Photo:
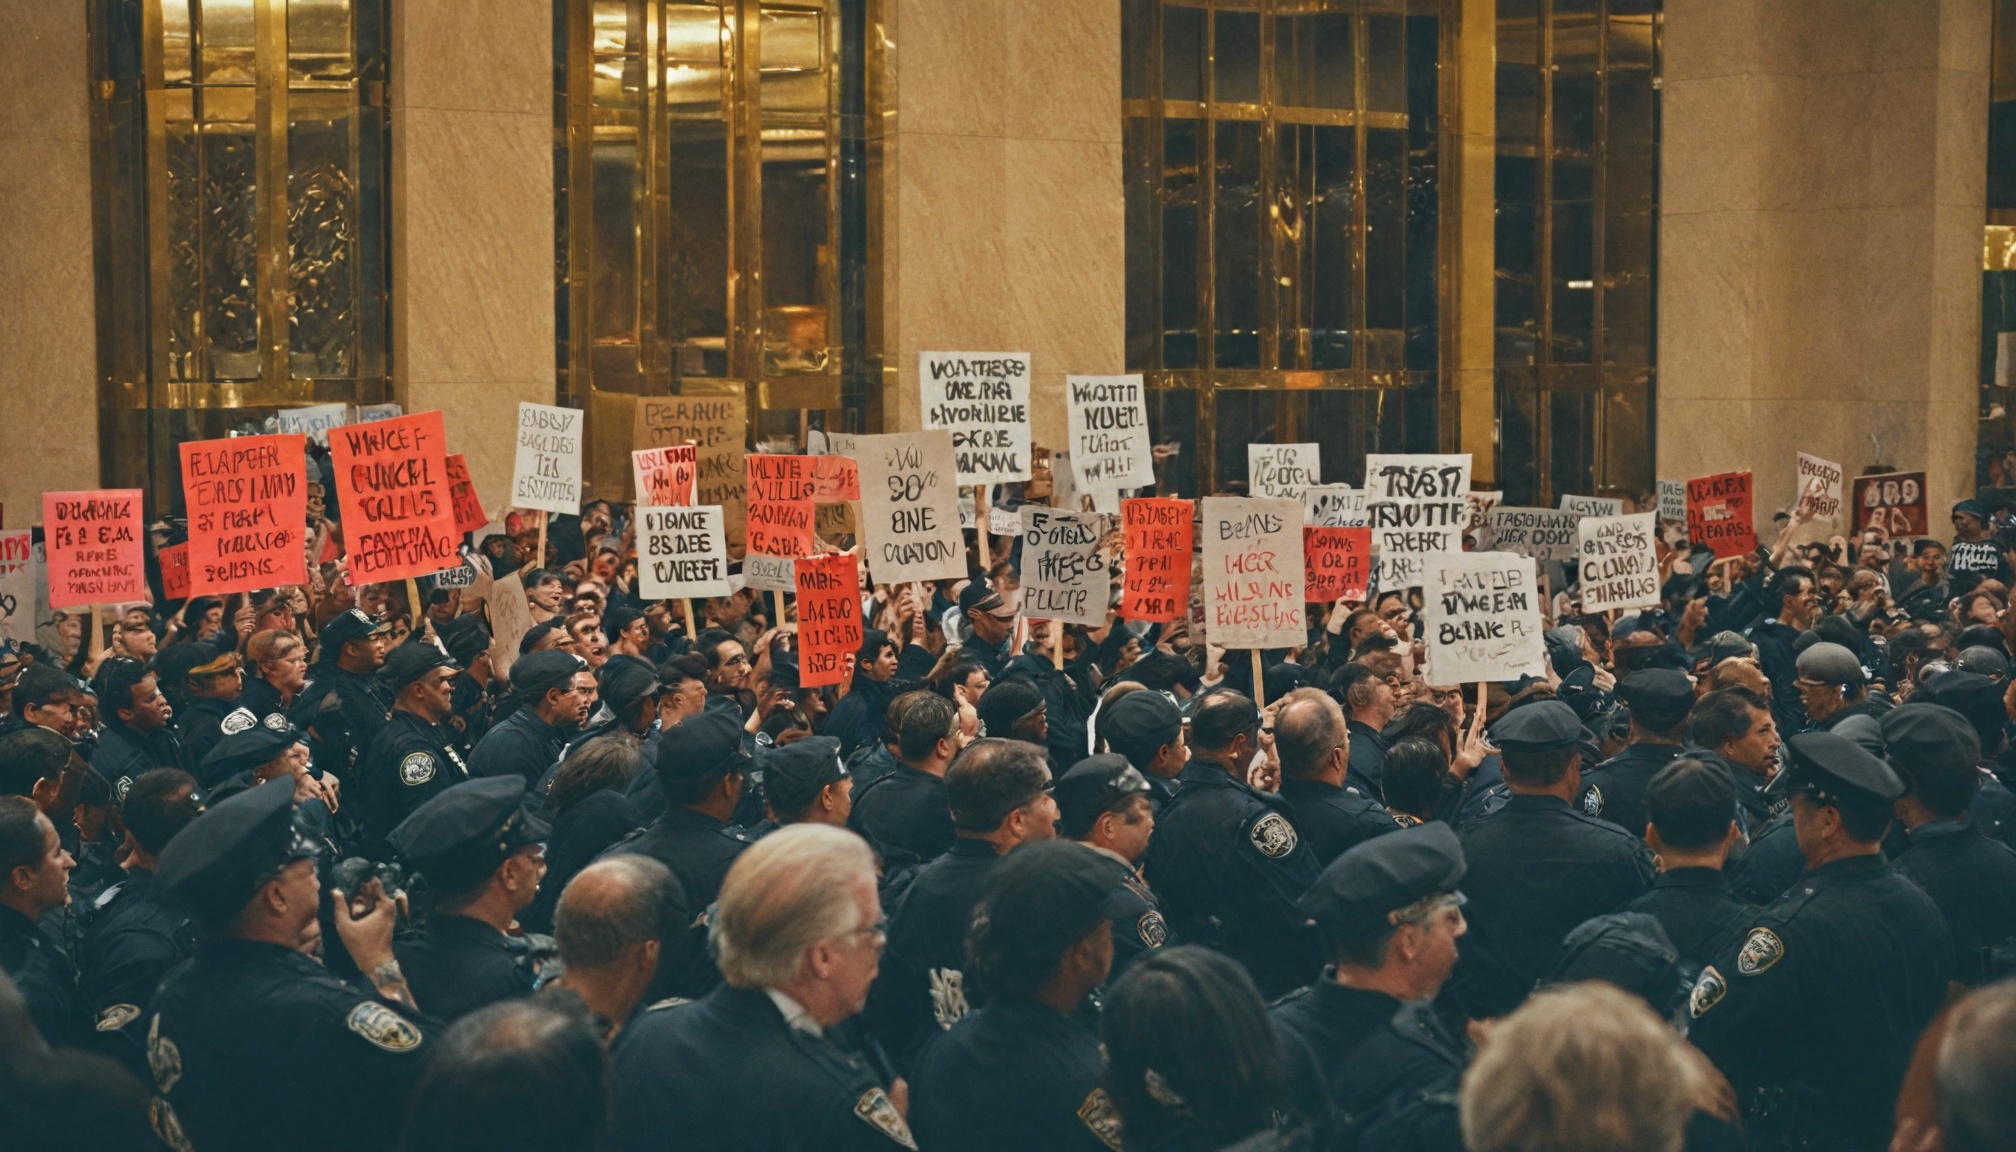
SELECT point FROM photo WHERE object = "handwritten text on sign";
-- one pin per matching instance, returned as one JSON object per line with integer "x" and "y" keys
{"x": 1253, "y": 595}
{"x": 1673, "y": 501}
{"x": 1592, "y": 505}
{"x": 469, "y": 515}
{"x": 1719, "y": 514}
{"x": 1108, "y": 417}
{"x": 780, "y": 504}
{"x": 1063, "y": 571}
{"x": 716, "y": 427}
{"x": 174, "y": 561}
{"x": 663, "y": 477}
{"x": 829, "y": 616}
{"x": 1158, "y": 535}
{"x": 95, "y": 549}
{"x": 910, "y": 507}
{"x": 17, "y": 585}
{"x": 982, "y": 398}
{"x": 1482, "y": 618}
{"x": 1541, "y": 533}
{"x": 1283, "y": 470}
{"x": 1892, "y": 501}
{"x": 1819, "y": 487}
{"x": 1334, "y": 506}
{"x": 547, "y": 471}
{"x": 1619, "y": 562}
{"x": 392, "y": 484}
{"x": 682, "y": 552}
{"x": 1417, "y": 505}
{"x": 248, "y": 512}
{"x": 1337, "y": 563}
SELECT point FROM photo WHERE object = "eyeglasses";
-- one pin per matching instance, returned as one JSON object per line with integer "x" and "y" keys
{"x": 879, "y": 930}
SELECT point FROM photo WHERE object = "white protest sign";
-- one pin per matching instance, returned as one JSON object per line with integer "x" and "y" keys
{"x": 1418, "y": 505}
{"x": 1283, "y": 470}
{"x": 547, "y": 471}
{"x": 1481, "y": 504}
{"x": 770, "y": 573}
{"x": 1541, "y": 533}
{"x": 1063, "y": 571}
{"x": 910, "y": 507}
{"x": 1592, "y": 505}
{"x": 982, "y": 399}
{"x": 1253, "y": 574}
{"x": 1108, "y": 428}
{"x": 17, "y": 585}
{"x": 1673, "y": 501}
{"x": 682, "y": 553}
{"x": 510, "y": 620}
{"x": 372, "y": 413}
{"x": 461, "y": 576}
{"x": 1481, "y": 618}
{"x": 1619, "y": 564}
{"x": 1333, "y": 506}
{"x": 314, "y": 421}
{"x": 1820, "y": 487}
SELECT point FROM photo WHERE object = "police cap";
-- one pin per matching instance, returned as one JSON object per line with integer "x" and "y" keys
{"x": 466, "y": 639}
{"x": 461, "y": 834}
{"x": 1973, "y": 696}
{"x": 214, "y": 866}
{"x": 1833, "y": 769}
{"x": 174, "y": 664}
{"x": 1930, "y": 733}
{"x": 1380, "y": 880}
{"x": 1045, "y": 895}
{"x": 355, "y": 624}
{"x": 1866, "y": 733}
{"x": 411, "y": 661}
{"x": 1004, "y": 703}
{"x": 1826, "y": 663}
{"x": 625, "y": 680}
{"x": 794, "y": 774}
{"x": 248, "y": 748}
{"x": 1541, "y": 726}
{"x": 1630, "y": 950}
{"x": 1660, "y": 698}
{"x": 703, "y": 746}
{"x": 1094, "y": 786}
{"x": 541, "y": 672}
{"x": 1727, "y": 645}
{"x": 1140, "y": 724}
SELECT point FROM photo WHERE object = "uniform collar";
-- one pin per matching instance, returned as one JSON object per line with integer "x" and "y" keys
{"x": 795, "y": 1015}
{"x": 1935, "y": 829}
{"x": 1691, "y": 878}
{"x": 971, "y": 846}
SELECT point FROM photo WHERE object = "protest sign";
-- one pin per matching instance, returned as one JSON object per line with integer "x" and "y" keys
{"x": 1541, "y": 533}
{"x": 1336, "y": 562}
{"x": 546, "y": 473}
{"x": 314, "y": 421}
{"x": 1619, "y": 562}
{"x": 1479, "y": 529}
{"x": 392, "y": 484}
{"x": 716, "y": 427}
{"x": 1592, "y": 505}
{"x": 982, "y": 399}
{"x": 682, "y": 552}
{"x": 469, "y": 514}
{"x": 510, "y": 620}
{"x": 663, "y": 477}
{"x": 835, "y": 479}
{"x": 1417, "y": 476}
{"x": 1673, "y": 501}
{"x": 910, "y": 507}
{"x": 94, "y": 547}
{"x": 1283, "y": 470}
{"x": 1819, "y": 487}
{"x": 1334, "y": 506}
{"x": 1108, "y": 428}
{"x": 1063, "y": 571}
{"x": 372, "y": 413}
{"x": 832, "y": 521}
{"x": 1157, "y": 534}
{"x": 1892, "y": 501}
{"x": 247, "y": 499}
{"x": 1481, "y": 618}
{"x": 829, "y": 616}
{"x": 1417, "y": 505}
{"x": 174, "y": 561}
{"x": 780, "y": 505}
{"x": 17, "y": 585}
{"x": 1719, "y": 514}
{"x": 1253, "y": 596}
{"x": 463, "y": 575}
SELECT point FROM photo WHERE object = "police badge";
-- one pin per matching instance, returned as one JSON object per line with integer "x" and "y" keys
{"x": 163, "y": 1058}
{"x": 1760, "y": 951}
{"x": 117, "y": 1016}
{"x": 1101, "y": 1115}
{"x": 383, "y": 1027}
{"x": 1273, "y": 836}
{"x": 417, "y": 769}
{"x": 1592, "y": 802}
{"x": 237, "y": 720}
{"x": 1708, "y": 992}
{"x": 277, "y": 722}
{"x": 1154, "y": 931}
{"x": 876, "y": 1108}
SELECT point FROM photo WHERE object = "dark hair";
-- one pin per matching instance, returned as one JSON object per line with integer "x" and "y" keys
{"x": 523, "y": 1074}
{"x": 1865, "y": 821}
{"x": 1422, "y": 720}
{"x": 1352, "y": 685}
{"x": 1359, "y": 943}
{"x": 159, "y": 804}
{"x": 20, "y": 837}
{"x": 990, "y": 779}
{"x": 1946, "y": 785}
{"x": 960, "y": 673}
{"x": 72, "y": 1099}
{"x": 40, "y": 684}
{"x": 1193, "y": 1018}
{"x": 1539, "y": 769}
{"x": 1220, "y": 718}
{"x": 1691, "y": 803}
{"x": 679, "y": 669}
{"x": 784, "y": 720}
{"x": 1164, "y": 672}
{"x": 921, "y": 720}
{"x": 605, "y": 762}
{"x": 708, "y": 645}
{"x": 1374, "y": 642}
{"x": 1906, "y": 644}
{"x": 116, "y": 680}
{"x": 1412, "y": 776}
{"x": 692, "y": 790}
{"x": 1721, "y": 716}
{"x": 1015, "y": 964}
{"x": 1306, "y": 731}
{"x": 617, "y": 618}
{"x": 1783, "y": 583}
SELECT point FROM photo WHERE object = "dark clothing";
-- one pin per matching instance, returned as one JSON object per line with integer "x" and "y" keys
{"x": 260, "y": 697}
{"x": 1367, "y": 771}
{"x": 410, "y": 762}
{"x": 342, "y": 713}
{"x": 581, "y": 832}
{"x": 45, "y": 978}
{"x": 126, "y": 754}
{"x": 728, "y": 1072}
{"x": 470, "y": 707}
{"x": 1770, "y": 866}
{"x": 1615, "y": 789}
{"x": 1136, "y": 913}
{"x": 904, "y": 816}
{"x": 698, "y": 849}
{"x": 1813, "y": 1014}
{"x": 1229, "y": 865}
{"x": 200, "y": 726}
{"x": 1014, "y": 1076}
{"x": 870, "y": 763}
{"x": 860, "y": 716}
{"x": 1781, "y": 667}
{"x": 1697, "y": 910}
{"x": 1993, "y": 809}
{"x": 1973, "y": 881}
{"x": 1333, "y": 819}
{"x": 921, "y": 989}
{"x": 456, "y": 965}
{"x": 1537, "y": 868}
{"x": 520, "y": 743}
{"x": 1378, "y": 1057}
{"x": 1924, "y": 602}
{"x": 133, "y": 939}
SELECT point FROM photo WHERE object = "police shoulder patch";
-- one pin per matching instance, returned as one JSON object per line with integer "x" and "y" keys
{"x": 877, "y": 1109}
{"x": 1273, "y": 835}
{"x": 276, "y": 721}
{"x": 1761, "y": 949}
{"x": 417, "y": 768}
{"x": 1102, "y": 1117}
{"x": 1708, "y": 992}
{"x": 383, "y": 1027}
{"x": 163, "y": 1058}
{"x": 121, "y": 786}
{"x": 237, "y": 720}
{"x": 1153, "y": 929}
{"x": 117, "y": 1016}
{"x": 167, "y": 1126}
{"x": 1592, "y": 802}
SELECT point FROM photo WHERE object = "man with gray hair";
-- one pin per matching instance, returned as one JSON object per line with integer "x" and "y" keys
{"x": 611, "y": 924}
{"x": 799, "y": 934}
{"x": 1977, "y": 1073}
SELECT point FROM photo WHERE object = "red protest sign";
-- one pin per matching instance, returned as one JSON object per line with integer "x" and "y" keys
{"x": 1336, "y": 563}
{"x": 1719, "y": 514}
{"x": 94, "y": 546}
{"x": 664, "y": 476}
{"x": 835, "y": 479}
{"x": 174, "y": 571}
{"x": 392, "y": 484}
{"x": 829, "y": 616}
{"x": 462, "y": 494}
{"x": 248, "y": 512}
{"x": 780, "y": 504}
{"x": 1158, "y": 535}
{"x": 1892, "y": 501}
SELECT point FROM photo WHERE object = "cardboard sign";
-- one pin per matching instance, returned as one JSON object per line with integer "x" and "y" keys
{"x": 510, "y": 620}
{"x": 832, "y": 521}
{"x": 248, "y": 512}
{"x": 469, "y": 514}
{"x": 780, "y": 505}
{"x": 1417, "y": 505}
{"x": 1719, "y": 514}
{"x": 982, "y": 399}
{"x": 462, "y": 575}
{"x": 1541, "y": 533}
{"x": 835, "y": 479}
{"x": 910, "y": 507}
{"x": 314, "y": 421}
{"x": 1108, "y": 425}
{"x": 1253, "y": 595}
{"x": 174, "y": 561}
{"x": 95, "y": 546}
{"x": 1158, "y": 535}
{"x": 1481, "y": 618}
{"x": 1063, "y": 571}
{"x": 1673, "y": 501}
{"x": 1819, "y": 487}
{"x": 546, "y": 473}
{"x": 1619, "y": 562}
{"x": 829, "y": 616}
{"x": 716, "y": 426}
{"x": 1336, "y": 562}
{"x": 17, "y": 585}
{"x": 1283, "y": 471}
{"x": 1892, "y": 501}
{"x": 663, "y": 477}
{"x": 682, "y": 552}
{"x": 1417, "y": 476}
{"x": 1334, "y": 506}
{"x": 372, "y": 413}
{"x": 1592, "y": 505}
{"x": 392, "y": 485}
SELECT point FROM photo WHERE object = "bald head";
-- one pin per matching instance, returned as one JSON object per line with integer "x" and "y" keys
{"x": 1308, "y": 730}
{"x": 613, "y": 905}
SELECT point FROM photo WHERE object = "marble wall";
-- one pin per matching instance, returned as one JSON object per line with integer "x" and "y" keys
{"x": 1824, "y": 167}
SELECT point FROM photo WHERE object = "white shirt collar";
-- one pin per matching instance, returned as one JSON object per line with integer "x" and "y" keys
{"x": 795, "y": 1014}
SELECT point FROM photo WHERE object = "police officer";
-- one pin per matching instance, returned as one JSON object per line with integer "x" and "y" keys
{"x": 34, "y": 883}
{"x": 1023, "y": 1071}
{"x": 1104, "y": 803}
{"x": 1315, "y": 751}
{"x": 134, "y": 937}
{"x": 1813, "y": 1013}
{"x": 344, "y": 706}
{"x": 1832, "y": 687}
{"x": 904, "y": 814}
{"x": 1147, "y": 728}
{"x": 482, "y": 855}
{"x": 413, "y": 757}
{"x": 1227, "y": 859}
{"x": 137, "y": 735}
{"x": 1979, "y": 699}
{"x": 468, "y": 644}
{"x": 806, "y": 782}
{"x": 1389, "y": 916}
{"x": 1659, "y": 700}
{"x": 212, "y": 685}
{"x": 1690, "y": 802}
{"x": 251, "y": 1041}
{"x": 554, "y": 688}
{"x": 627, "y": 689}
{"x": 1538, "y": 867}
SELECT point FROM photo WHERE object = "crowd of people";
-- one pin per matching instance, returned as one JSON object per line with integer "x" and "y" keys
{"x": 331, "y": 867}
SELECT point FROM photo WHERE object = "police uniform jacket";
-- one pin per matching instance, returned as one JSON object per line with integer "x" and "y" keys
{"x": 1753, "y": 809}
{"x": 1813, "y": 1013}
{"x": 124, "y": 755}
{"x": 201, "y": 726}
{"x": 1615, "y": 789}
{"x": 729, "y": 1072}
{"x": 1771, "y": 865}
{"x": 1136, "y": 913}
{"x": 470, "y": 704}
{"x": 342, "y": 713}
{"x": 581, "y": 832}
{"x": 132, "y": 941}
{"x": 520, "y": 743}
{"x": 456, "y": 965}
{"x": 1334, "y": 819}
{"x": 1697, "y": 910}
{"x": 905, "y": 816}
{"x": 1973, "y": 881}
{"x": 45, "y": 978}
{"x": 698, "y": 850}
{"x": 1012, "y": 1076}
{"x": 251, "y": 1043}
{"x": 1993, "y": 809}
{"x": 1537, "y": 869}
{"x": 410, "y": 762}
{"x": 260, "y": 697}
{"x": 1229, "y": 865}
{"x": 1379, "y": 1059}
{"x": 922, "y": 988}
{"x": 1368, "y": 759}
{"x": 1774, "y": 643}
